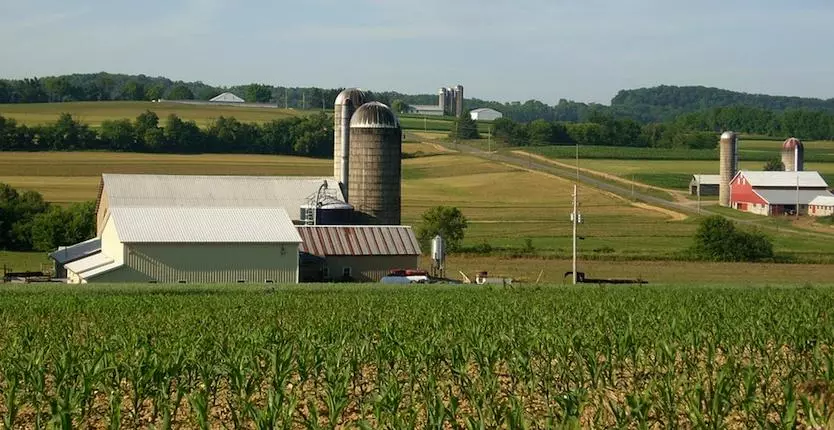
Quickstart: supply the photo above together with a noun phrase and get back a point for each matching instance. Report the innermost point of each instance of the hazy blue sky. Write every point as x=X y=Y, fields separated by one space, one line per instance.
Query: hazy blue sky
x=583 y=50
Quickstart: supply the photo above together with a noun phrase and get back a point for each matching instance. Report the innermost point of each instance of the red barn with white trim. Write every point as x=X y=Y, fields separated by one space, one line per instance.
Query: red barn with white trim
x=776 y=193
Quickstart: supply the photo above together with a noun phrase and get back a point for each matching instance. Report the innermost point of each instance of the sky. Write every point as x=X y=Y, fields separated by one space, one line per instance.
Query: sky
x=583 y=50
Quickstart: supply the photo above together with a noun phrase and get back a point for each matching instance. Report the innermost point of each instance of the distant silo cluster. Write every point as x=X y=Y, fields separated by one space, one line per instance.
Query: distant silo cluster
x=728 y=156
x=367 y=157
x=346 y=104
x=793 y=155
x=450 y=100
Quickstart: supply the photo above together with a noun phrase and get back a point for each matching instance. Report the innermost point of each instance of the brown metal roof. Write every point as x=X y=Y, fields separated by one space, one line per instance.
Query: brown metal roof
x=324 y=240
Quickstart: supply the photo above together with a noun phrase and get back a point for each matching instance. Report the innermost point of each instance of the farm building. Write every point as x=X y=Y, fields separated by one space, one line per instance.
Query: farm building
x=67 y=254
x=427 y=110
x=485 y=114
x=358 y=253
x=708 y=185
x=287 y=192
x=227 y=98
x=776 y=193
x=821 y=206
x=192 y=244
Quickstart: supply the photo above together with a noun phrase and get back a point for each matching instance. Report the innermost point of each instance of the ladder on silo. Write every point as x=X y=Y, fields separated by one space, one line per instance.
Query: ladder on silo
x=315 y=200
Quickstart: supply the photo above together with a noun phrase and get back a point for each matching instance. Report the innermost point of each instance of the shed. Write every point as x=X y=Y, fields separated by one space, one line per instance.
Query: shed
x=821 y=206
x=485 y=114
x=68 y=254
x=360 y=253
x=290 y=193
x=192 y=245
x=227 y=98
x=708 y=185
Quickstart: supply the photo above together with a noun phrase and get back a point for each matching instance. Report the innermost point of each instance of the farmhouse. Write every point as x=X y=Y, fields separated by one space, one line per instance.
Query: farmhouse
x=776 y=193
x=485 y=114
x=358 y=253
x=704 y=185
x=227 y=98
x=192 y=244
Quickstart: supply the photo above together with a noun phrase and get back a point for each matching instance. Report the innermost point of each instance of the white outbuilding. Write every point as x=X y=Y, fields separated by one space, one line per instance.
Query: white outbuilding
x=227 y=98
x=192 y=245
x=485 y=114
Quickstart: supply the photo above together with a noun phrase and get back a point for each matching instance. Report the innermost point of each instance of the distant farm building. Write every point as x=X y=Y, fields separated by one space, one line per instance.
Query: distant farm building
x=227 y=98
x=708 y=185
x=357 y=253
x=192 y=245
x=821 y=206
x=427 y=110
x=485 y=114
x=777 y=193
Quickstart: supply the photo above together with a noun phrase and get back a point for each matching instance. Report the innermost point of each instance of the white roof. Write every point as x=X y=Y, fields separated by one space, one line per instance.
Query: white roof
x=808 y=179
x=789 y=196
x=479 y=110
x=89 y=263
x=65 y=254
x=823 y=200
x=287 y=192
x=227 y=98
x=707 y=179
x=203 y=225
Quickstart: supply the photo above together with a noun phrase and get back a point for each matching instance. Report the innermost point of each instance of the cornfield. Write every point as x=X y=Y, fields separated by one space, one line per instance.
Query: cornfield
x=455 y=357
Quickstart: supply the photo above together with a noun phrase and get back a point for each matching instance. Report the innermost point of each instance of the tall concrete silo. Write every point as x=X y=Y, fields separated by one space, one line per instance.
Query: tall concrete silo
x=793 y=155
x=375 y=163
x=728 y=156
x=346 y=104
x=459 y=100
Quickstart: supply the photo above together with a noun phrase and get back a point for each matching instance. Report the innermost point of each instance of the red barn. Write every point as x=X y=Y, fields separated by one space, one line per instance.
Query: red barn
x=776 y=193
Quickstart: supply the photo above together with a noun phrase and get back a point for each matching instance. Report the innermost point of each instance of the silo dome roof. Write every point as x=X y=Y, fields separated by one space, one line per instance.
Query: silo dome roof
x=792 y=143
x=374 y=115
x=727 y=135
x=355 y=95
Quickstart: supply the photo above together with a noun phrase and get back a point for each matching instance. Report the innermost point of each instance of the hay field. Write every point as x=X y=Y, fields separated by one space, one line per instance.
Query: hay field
x=94 y=113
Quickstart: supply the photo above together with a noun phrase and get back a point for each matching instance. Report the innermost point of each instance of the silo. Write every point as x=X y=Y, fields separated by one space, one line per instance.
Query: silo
x=441 y=100
x=346 y=103
x=793 y=155
x=375 y=163
x=728 y=159
x=459 y=100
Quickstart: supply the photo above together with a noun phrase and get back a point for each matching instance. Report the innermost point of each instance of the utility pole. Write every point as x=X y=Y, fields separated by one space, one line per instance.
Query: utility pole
x=489 y=139
x=286 y=98
x=797 y=195
x=698 y=183
x=574 y=219
x=303 y=100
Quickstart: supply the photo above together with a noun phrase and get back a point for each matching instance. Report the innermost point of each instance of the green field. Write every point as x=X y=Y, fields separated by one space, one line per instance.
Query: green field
x=323 y=357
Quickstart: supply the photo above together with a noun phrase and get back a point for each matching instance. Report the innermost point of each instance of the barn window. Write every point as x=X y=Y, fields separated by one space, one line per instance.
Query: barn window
x=325 y=272
x=241 y=281
x=152 y=281
x=269 y=281
x=346 y=272
x=182 y=281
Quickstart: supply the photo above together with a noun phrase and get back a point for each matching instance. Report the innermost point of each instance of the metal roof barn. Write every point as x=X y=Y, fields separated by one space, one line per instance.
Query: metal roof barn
x=804 y=179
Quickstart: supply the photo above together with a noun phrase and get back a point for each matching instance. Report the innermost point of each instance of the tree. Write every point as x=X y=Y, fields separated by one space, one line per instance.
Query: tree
x=118 y=135
x=718 y=239
x=154 y=92
x=446 y=221
x=180 y=92
x=257 y=93
x=464 y=128
x=774 y=165
x=184 y=136
x=133 y=90
x=400 y=106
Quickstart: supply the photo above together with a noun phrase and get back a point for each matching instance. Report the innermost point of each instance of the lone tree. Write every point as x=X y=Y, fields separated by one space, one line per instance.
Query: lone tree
x=447 y=221
x=718 y=239
x=774 y=165
x=464 y=128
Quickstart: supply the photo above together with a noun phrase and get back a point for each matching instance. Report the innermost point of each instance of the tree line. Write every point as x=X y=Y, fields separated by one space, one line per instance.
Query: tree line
x=28 y=223
x=310 y=135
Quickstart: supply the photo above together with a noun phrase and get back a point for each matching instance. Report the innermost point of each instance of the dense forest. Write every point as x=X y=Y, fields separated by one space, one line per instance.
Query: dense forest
x=311 y=135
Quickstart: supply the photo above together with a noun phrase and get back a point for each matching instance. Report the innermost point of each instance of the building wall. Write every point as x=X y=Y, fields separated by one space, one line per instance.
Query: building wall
x=369 y=268
x=101 y=214
x=741 y=191
x=111 y=246
x=706 y=190
x=820 y=210
x=753 y=208
x=214 y=263
x=486 y=115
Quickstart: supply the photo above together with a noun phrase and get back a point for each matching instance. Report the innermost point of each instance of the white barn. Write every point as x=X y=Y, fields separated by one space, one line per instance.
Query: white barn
x=227 y=98
x=485 y=114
